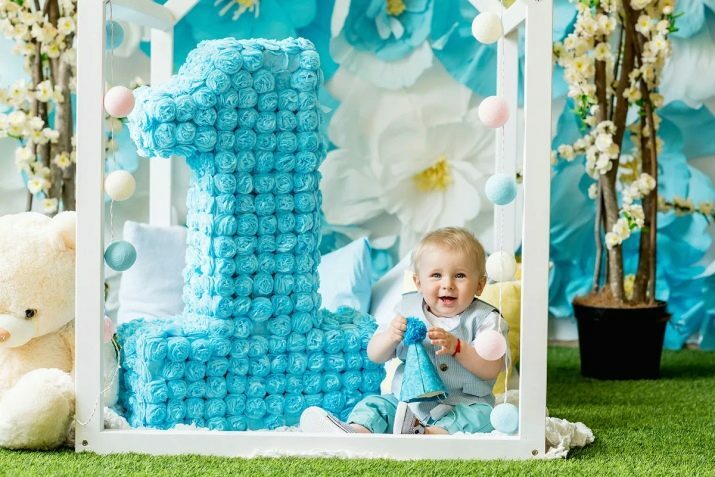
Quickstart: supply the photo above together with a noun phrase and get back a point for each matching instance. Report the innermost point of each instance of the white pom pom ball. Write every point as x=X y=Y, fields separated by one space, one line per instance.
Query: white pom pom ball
x=501 y=266
x=120 y=185
x=505 y=418
x=490 y=345
x=487 y=28
x=119 y=101
x=493 y=112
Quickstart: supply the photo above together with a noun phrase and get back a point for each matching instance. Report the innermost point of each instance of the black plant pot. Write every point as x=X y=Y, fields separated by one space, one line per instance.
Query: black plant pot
x=621 y=343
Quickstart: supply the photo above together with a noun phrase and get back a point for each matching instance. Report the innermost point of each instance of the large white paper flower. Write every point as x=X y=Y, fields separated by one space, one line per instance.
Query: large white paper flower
x=366 y=110
x=433 y=176
x=422 y=175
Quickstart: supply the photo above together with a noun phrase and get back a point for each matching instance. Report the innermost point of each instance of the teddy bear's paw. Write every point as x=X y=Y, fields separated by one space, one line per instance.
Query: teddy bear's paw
x=36 y=412
x=112 y=420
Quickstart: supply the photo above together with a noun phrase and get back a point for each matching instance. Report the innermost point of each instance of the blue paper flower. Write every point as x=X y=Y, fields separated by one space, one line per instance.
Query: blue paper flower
x=272 y=19
x=389 y=29
x=473 y=63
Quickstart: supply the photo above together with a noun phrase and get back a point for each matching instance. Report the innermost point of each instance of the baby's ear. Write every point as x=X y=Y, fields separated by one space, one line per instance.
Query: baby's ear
x=416 y=280
x=481 y=285
x=63 y=229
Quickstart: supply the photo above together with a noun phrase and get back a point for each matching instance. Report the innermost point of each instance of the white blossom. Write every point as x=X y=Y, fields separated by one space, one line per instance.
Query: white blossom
x=43 y=91
x=65 y=25
x=639 y=4
x=49 y=206
x=593 y=191
x=36 y=185
x=612 y=240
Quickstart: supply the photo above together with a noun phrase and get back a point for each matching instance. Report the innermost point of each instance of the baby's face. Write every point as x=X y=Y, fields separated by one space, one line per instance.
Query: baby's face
x=447 y=280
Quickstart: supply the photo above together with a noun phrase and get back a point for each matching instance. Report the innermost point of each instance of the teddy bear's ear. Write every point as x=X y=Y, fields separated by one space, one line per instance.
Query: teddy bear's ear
x=64 y=226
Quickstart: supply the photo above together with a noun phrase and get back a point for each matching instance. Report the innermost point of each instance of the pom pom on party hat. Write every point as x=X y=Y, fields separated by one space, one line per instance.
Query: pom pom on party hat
x=420 y=381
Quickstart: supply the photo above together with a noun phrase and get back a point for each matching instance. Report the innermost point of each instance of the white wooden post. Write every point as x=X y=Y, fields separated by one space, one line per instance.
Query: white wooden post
x=160 y=184
x=505 y=217
x=89 y=294
x=535 y=245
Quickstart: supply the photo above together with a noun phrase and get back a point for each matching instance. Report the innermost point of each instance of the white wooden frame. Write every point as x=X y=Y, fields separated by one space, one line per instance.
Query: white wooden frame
x=90 y=435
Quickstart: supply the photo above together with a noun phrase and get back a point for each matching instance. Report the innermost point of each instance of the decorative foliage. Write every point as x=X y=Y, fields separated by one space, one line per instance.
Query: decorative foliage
x=612 y=63
x=39 y=112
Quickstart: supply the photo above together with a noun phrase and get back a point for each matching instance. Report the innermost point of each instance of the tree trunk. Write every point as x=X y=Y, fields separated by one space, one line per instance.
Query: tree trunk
x=608 y=181
x=63 y=124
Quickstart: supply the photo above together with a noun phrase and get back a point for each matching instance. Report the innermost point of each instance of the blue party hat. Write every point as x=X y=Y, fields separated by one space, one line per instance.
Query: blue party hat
x=420 y=381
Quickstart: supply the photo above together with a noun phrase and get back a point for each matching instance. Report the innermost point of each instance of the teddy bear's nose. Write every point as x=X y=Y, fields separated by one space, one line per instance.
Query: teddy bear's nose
x=4 y=335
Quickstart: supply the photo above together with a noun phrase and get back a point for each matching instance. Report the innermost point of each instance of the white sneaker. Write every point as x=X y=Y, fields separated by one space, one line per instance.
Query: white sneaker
x=406 y=422
x=315 y=419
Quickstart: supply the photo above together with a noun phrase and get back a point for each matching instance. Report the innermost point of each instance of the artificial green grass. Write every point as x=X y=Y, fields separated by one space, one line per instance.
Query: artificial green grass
x=662 y=427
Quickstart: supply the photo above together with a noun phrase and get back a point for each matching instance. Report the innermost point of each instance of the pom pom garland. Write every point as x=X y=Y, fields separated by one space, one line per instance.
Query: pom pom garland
x=493 y=112
x=119 y=101
x=490 y=345
x=114 y=35
x=120 y=255
x=500 y=189
x=501 y=266
x=487 y=27
x=505 y=418
x=119 y=185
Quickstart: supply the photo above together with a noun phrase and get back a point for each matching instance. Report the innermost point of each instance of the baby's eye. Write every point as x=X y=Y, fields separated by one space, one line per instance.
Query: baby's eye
x=436 y=275
x=461 y=275
x=30 y=313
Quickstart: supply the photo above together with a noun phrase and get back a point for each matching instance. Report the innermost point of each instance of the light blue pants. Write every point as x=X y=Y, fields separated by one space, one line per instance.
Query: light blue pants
x=377 y=414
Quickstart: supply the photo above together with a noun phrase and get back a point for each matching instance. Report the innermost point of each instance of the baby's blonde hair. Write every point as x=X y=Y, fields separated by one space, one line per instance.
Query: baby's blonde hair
x=454 y=239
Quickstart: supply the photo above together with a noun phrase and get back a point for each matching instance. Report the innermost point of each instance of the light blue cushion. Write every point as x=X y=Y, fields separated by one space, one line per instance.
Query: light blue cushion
x=345 y=277
x=152 y=287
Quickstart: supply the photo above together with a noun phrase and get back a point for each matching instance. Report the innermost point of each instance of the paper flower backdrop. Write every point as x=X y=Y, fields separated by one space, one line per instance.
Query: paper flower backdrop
x=426 y=152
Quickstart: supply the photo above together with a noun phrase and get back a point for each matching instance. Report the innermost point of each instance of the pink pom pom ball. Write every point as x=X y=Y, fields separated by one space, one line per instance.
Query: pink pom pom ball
x=490 y=345
x=119 y=101
x=109 y=330
x=493 y=112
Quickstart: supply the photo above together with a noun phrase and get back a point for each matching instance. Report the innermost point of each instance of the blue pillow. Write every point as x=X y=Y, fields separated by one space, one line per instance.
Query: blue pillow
x=345 y=277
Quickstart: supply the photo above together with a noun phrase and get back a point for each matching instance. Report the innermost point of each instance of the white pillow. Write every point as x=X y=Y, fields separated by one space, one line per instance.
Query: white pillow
x=153 y=286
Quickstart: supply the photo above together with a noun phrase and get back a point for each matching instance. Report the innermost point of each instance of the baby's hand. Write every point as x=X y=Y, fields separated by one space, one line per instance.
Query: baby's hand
x=445 y=339
x=398 y=325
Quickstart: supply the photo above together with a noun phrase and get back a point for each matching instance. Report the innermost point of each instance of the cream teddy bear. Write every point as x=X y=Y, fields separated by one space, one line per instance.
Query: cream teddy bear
x=37 y=259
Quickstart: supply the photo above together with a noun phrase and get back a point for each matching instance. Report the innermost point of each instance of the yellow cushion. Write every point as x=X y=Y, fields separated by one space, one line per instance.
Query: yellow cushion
x=510 y=309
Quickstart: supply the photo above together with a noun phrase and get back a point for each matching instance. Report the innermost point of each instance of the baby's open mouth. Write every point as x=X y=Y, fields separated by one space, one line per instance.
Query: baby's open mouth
x=447 y=300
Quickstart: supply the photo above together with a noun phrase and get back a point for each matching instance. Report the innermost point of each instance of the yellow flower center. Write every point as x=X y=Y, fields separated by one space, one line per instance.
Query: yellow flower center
x=395 y=7
x=246 y=3
x=434 y=178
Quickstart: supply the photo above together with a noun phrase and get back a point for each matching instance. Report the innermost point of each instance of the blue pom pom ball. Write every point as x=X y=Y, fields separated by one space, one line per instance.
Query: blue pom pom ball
x=505 y=418
x=500 y=189
x=416 y=331
x=114 y=35
x=120 y=255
